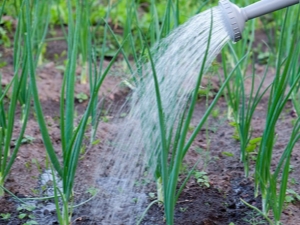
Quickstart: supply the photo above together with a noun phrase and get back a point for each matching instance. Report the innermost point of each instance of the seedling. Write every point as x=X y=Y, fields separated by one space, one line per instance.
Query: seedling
x=92 y=191
x=215 y=113
x=81 y=97
x=5 y=216
x=96 y=142
x=293 y=181
x=152 y=195
x=82 y=149
x=254 y=218
x=291 y=168
x=37 y=164
x=34 y=191
x=28 y=165
x=228 y=154
x=183 y=209
x=122 y=115
x=105 y=119
x=31 y=222
x=202 y=178
x=253 y=144
x=235 y=135
x=22 y=215
x=206 y=92
x=26 y=207
x=291 y=196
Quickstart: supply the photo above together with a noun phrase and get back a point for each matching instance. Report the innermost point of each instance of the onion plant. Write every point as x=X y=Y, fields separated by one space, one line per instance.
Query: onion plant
x=265 y=180
x=71 y=134
x=246 y=111
x=7 y=123
x=174 y=141
x=8 y=110
x=277 y=19
x=241 y=109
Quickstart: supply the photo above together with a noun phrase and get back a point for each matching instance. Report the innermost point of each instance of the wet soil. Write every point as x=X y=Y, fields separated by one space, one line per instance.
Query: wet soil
x=217 y=204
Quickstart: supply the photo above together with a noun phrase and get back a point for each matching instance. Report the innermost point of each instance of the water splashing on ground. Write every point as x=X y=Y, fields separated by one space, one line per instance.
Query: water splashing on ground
x=178 y=59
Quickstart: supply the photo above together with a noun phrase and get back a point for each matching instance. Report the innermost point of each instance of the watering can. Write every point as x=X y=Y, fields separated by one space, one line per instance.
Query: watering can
x=235 y=17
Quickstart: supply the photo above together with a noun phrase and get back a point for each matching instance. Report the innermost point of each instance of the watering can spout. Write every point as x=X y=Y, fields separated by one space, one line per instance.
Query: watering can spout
x=235 y=17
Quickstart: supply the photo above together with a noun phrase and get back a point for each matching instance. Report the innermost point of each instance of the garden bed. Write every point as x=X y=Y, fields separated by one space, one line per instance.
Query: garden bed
x=217 y=202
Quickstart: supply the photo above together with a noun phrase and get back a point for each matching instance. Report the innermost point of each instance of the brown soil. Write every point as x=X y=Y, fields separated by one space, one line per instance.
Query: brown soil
x=218 y=204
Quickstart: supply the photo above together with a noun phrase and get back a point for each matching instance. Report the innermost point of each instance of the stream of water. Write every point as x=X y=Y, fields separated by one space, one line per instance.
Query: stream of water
x=178 y=59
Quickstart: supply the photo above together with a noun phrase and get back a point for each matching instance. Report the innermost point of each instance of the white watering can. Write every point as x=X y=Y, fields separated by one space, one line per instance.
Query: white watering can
x=236 y=17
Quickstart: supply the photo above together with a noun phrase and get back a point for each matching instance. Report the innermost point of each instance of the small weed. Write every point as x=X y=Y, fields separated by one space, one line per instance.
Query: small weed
x=183 y=209
x=263 y=58
x=202 y=178
x=22 y=216
x=31 y=222
x=5 y=216
x=293 y=181
x=191 y=128
x=4 y=38
x=235 y=135
x=31 y=216
x=122 y=115
x=183 y=168
x=215 y=113
x=2 y=64
x=26 y=207
x=27 y=139
x=34 y=191
x=291 y=196
x=44 y=187
x=152 y=195
x=291 y=168
x=37 y=164
x=142 y=182
x=82 y=149
x=81 y=97
x=228 y=154
x=97 y=141
x=28 y=166
x=206 y=92
x=105 y=119
x=253 y=144
x=255 y=219
x=92 y=191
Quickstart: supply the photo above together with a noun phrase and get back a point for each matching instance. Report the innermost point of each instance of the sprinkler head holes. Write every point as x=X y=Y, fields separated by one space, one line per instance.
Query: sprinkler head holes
x=234 y=19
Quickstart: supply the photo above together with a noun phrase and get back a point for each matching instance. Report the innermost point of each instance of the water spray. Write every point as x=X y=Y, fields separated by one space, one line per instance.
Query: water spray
x=235 y=17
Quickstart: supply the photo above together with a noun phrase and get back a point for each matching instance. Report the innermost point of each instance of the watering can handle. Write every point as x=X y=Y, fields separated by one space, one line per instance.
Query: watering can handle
x=266 y=6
